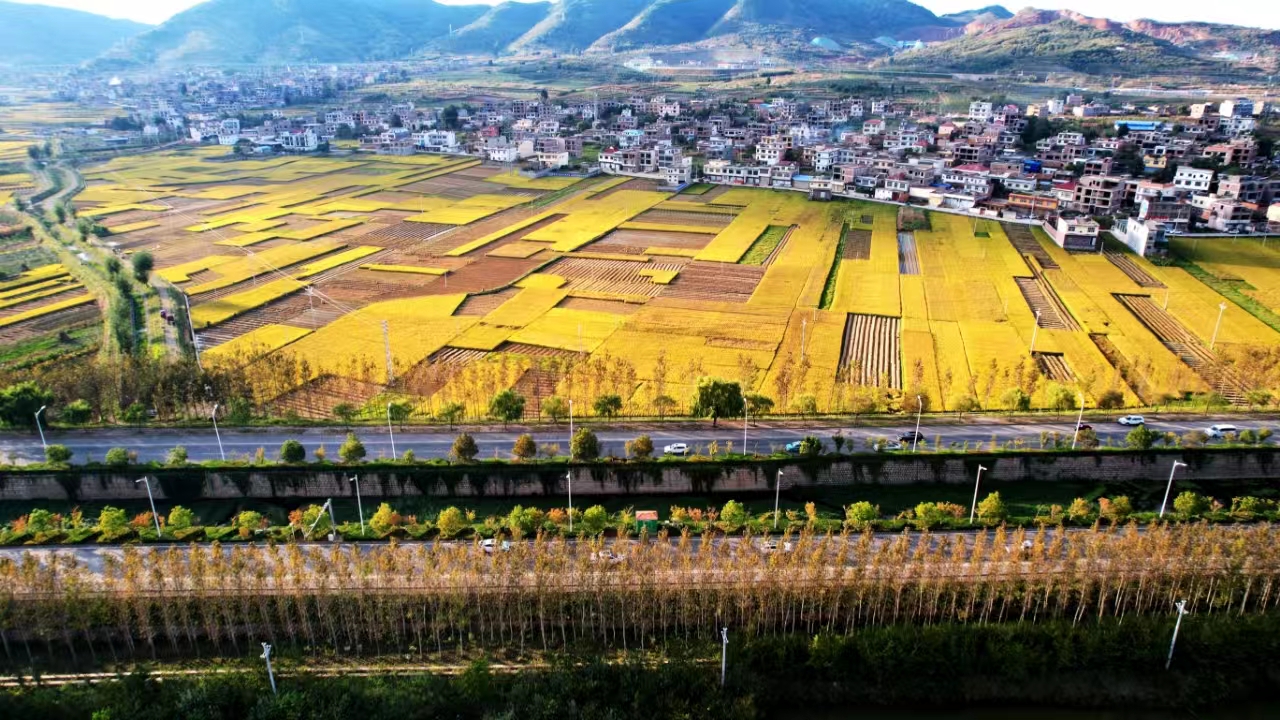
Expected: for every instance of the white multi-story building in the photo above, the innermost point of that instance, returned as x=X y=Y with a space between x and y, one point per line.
x=1192 y=179
x=300 y=140
x=440 y=141
x=980 y=111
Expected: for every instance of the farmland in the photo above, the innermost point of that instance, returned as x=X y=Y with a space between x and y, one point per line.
x=434 y=279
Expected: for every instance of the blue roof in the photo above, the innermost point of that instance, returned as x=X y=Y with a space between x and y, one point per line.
x=802 y=177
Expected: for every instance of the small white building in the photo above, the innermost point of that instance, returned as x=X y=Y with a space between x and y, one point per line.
x=1192 y=179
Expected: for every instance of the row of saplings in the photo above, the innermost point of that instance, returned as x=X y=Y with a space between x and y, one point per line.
x=113 y=525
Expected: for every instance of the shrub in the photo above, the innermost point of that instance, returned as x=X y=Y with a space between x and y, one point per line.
x=555 y=408
x=311 y=515
x=524 y=447
x=1080 y=510
x=992 y=508
x=507 y=406
x=180 y=518
x=142 y=264
x=810 y=446
x=41 y=521
x=1247 y=508
x=928 y=515
x=1190 y=504
x=292 y=451
x=1195 y=439
x=1140 y=438
x=112 y=521
x=352 y=450
x=76 y=412
x=861 y=514
x=465 y=448
x=177 y=456
x=450 y=522
x=1087 y=439
x=523 y=521
x=57 y=454
x=1016 y=400
x=1115 y=509
x=733 y=516
x=607 y=406
x=117 y=457
x=585 y=445
x=594 y=520
x=250 y=520
x=384 y=519
x=641 y=447
x=408 y=457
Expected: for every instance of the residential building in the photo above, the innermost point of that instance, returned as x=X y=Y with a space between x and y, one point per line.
x=1144 y=237
x=1229 y=216
x=1192 y=179
x=1098 y=195
x=1075 y=233
x=980 y=111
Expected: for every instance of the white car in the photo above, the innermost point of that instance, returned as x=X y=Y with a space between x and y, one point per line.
x=1133 y=420
x=676 y=449
x=1218 y=432
x=488 y=545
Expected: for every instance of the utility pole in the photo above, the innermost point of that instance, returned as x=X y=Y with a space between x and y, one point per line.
x=386 y=341
x=390 y=433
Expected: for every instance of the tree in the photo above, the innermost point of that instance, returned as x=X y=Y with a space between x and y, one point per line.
x=807 y=405
x=1060 y=397
x=352 y=450
x=555 y=408
x=1087 y=439
x=992 y=508
x=384 y=519
x=1080 y=510
x=584 y=445
x=810 y=446
x=663 y=405
x=607 y=406
x=641 y=447
x=180 y=518
x=57 y=454
x=594 y=520
x=1140 y=438
x=112 y=521
x=861 y=514
x=19 y=403
x=1191 y=504
x=346 y=412
x=1111 y=400
x=76 y=412
x=134 y=414
x=450 y=522
x=465 y=448
x=717 y=398
x=524 y=447
x=452 y=412
x=292 y=451
x=142 y=264
x=965 y=403
x=1258 y=398
x=112 y=265
x=1016 y=400
x=1116 y=509
x=758 y=404
x=507 y=406
x=177 y=456
x=399 y=412
x=733 y=516
x=117 y=457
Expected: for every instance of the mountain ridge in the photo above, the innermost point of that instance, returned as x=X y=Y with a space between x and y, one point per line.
x=46 y=35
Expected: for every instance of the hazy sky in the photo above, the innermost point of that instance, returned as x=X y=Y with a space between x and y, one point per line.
x=1262 y=13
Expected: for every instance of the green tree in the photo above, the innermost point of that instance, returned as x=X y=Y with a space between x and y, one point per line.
x=758 y=405
x=733 y=516
x=465 y=448
x=607 y=406
x=20 y=402
x=399 y=412
x=1191 y=504
x=1111 y=400
x=135 y=414
x=452 y=412
x=717 y=398
x=292 y=451
x=177 y=456
x=352 y=450
x=810 y=446
x=640 y=448
x=594 y=520
x=1140 y=438
x=1016 y=400
x=117 y=457
x=555 y=408
x=142 y=264
x=1080 y=510
x=112 y=521
x=180 y=518
x=992 y=508
x=1115 y=509
x=1060 y=397
x=965 y=403
x=524 y=447
x=57 y=454
x=584 y=445
x=76 y=412
x=346 y=412
x=507 y=406
x=384 y=519
x=861 y=514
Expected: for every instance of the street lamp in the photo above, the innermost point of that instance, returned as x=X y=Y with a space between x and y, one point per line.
x=1222 y=308
x=1176 y=464
x=217 y=434
x=1035 y=330
x=1079 y=422
x=568 y=477
x=1182 y=610
x=390 y=433
x=724 y=653
x=154 y=515
x=973 y=507
x=266 y=655
x=40 y=427
x=359 y=505
x=777 y=494
x=915 y=439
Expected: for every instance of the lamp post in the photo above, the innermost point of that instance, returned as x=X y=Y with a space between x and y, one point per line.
x=724 y=653
x=40 y=427
x=1035 y=330
x=1079 y=422
x=744 y=426
x=266 y=655
x=1182 y=610
x=570 y=429
x=154 y=515
x=391 y=434
x=1176 y=464
x=359 y=504
x=973 y=507
x=915 y=439
x=1222 y=308
x=214 y=415
x=568 y=477
x=777 y=494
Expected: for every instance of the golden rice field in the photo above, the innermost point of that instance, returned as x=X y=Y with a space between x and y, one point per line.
x=450 y=263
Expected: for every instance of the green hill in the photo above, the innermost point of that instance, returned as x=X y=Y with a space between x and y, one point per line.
x=496 y=29
x=574 y=25
x=674 y=21
x=42 y=35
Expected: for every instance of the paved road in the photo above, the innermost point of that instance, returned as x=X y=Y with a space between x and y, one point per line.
x=202 y=444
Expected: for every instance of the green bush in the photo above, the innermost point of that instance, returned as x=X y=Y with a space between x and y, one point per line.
x=57 y=454
x=594 y=520
x=292 y=451
x=180 y=518
x=117 y=457
x=352 y=450
x=450 y=522
x=733 y=516
x=992 y=508
x=465 y=448
x=1191 y=504
x=177 y=457
x=584 y=445
x=861 y=514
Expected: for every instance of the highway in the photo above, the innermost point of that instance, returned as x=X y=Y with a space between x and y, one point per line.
x=203 y=443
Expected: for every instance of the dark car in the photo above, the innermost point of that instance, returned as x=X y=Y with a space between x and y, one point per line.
x=911 y=437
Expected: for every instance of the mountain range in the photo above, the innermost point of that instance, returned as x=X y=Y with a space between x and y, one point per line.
x=41 y=35
x=282 y=31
